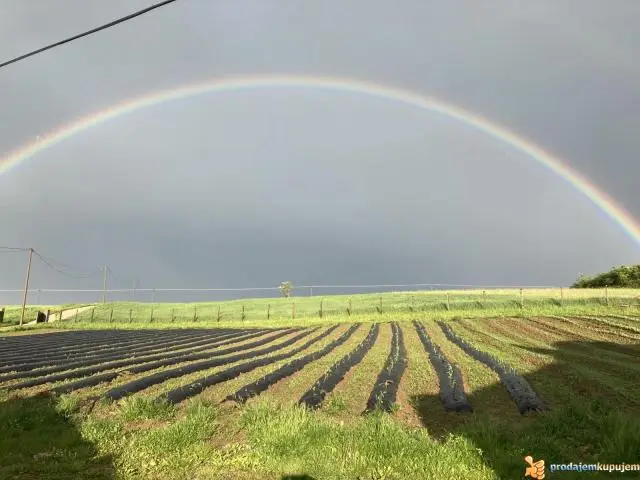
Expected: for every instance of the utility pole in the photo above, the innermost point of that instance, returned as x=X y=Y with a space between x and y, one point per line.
x=26 y=287
x=105 y=269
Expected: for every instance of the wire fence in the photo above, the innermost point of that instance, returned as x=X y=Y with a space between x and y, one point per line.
x=52 y=296
x=423 y=303
x=330 y=299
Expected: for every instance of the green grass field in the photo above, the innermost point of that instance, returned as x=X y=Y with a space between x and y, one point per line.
x=305 y=310
x=580 y=356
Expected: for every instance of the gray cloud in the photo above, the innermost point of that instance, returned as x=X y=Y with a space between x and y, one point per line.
x=251 y=188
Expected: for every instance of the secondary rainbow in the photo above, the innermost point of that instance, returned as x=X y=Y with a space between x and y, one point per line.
x=414 y=99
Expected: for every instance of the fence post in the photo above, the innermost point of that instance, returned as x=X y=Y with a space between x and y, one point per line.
x=521 y=299
x=349 y=308
x=93 y=310
x=606 y=294
x=2 y=315
x=448 y=302
x=218 y=318
x=269 y=311
x=76 y=316
x=195 y=313
x=293 y=310
x=561 y=297
x=380 y=307
x=151 y=316
x=321 y=300
x=243 y=315
x=173 y=315
x=130 y=315
x=49 y=313
x=111 y=315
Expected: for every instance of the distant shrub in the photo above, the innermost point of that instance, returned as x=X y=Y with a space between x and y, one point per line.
x=286 y=288
x=627 y=276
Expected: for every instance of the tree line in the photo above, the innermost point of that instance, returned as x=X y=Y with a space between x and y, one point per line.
x=627 y=276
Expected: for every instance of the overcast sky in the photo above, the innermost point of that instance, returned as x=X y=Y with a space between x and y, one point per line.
x=251 y=188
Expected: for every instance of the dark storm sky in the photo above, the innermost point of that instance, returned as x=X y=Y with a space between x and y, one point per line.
x=252 y=188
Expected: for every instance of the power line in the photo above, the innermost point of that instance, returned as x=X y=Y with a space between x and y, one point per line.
x=14 y=249
x=65 y=265
x=89 y=32
x=51 y=265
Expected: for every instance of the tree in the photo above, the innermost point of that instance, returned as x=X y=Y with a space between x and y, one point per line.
x=286 y=288
x=626 y=276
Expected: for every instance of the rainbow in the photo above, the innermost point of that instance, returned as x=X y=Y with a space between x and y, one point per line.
x=414 y=99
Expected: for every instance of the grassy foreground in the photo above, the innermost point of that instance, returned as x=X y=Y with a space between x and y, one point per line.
x=580 y=355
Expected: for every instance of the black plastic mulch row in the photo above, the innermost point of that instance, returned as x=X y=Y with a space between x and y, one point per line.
x=451 y=384
x=256 y=388
x=159 y=377
x=383 y=395
x=57 y=362
x=107 y=377
x=517 y=386
x=113 y=347
x=102 y=364
x=202 y=356
x=71 y=342
x=83 y=372
x=47 y=352
x=182 y=393
x=314 y=397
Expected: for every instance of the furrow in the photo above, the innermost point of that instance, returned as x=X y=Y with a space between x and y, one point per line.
x=517 y=386
x=182 y=393
x=383 y=395
x=451 y=384
x=314 y=397
x=259 y=386
x=159 y=377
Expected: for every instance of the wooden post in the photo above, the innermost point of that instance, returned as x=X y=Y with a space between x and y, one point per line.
x=606 y=294
x=48 y=314
x=269 y=311
x=111 y=315
x=151 y=316
x=219 y=313
x=130 y=315
x=92 y=313
x=293 y=310
x=2 y=315
x=26 y=287
x=561 y=296
x=243 y=315
x=484 y=296
x=104 y=283
x=173 y=316
x=521 y=299
x=350 y=308
x=321 y=300
x=380 y=302
x=75 y=317
x=448 y=302
x=195 y=313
